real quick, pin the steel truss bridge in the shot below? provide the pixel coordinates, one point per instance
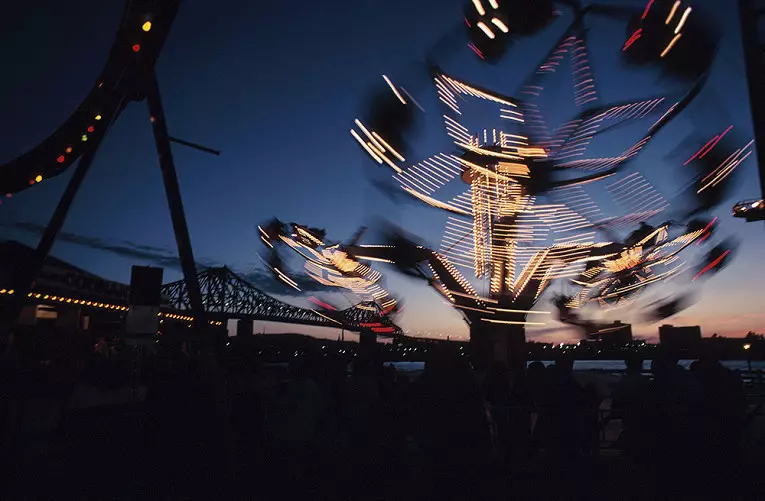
(225, 296)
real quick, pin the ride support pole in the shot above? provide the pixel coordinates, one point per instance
(26, 277)
(174, 199)
(754, 62)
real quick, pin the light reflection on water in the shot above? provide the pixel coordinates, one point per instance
(600, 365)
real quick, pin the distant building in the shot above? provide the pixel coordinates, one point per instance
(63, 295)
(684, 338)
(616, 333)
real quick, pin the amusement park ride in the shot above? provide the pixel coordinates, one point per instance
(525, 217)
(127, 76)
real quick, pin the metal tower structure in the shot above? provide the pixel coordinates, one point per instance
(750, 13)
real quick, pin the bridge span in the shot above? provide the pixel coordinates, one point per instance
(72, 292)
(226, 295)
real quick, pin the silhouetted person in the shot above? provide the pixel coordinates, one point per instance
(293, 432)
(723, 415)
(247, 414)
(678, 429)
(633, 403)
(185, 440)
(497, 391)
(452, 426)
(535, 380)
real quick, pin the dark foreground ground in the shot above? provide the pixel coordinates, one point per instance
(316, 432)
(122, 452)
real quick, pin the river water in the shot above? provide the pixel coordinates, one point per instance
(599, 365)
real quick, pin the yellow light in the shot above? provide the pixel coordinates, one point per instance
(670, 45)
(486, 30)
(672, 12)
(84, 137)
(479, 7)
(747, 346)
(682, 20)
(98, 117)
(146, 26)
(38, 178)
(394, 89)
(499, 24)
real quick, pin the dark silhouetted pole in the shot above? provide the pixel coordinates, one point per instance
(195, 146)
(26, 277)
(755, 76)
(174, 200)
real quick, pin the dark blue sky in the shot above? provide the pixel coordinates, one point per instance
(276, 87)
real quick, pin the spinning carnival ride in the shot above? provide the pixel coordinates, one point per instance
(526, 216)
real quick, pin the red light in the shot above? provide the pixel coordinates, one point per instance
(632, 39)
(382, 329)
(136, 48)
(322, 303)
(712, 264)
(709, 225)
(31, 182)
(60, 159)
(476, 50)
(708, 147)
(91, 129)
(703, 238)
(647, 8)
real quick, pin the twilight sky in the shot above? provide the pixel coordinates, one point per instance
(276, 87)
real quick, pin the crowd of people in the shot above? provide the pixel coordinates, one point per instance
(454, 433)
(317, 430)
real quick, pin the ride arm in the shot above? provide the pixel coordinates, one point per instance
(132, 57)
(442, 276)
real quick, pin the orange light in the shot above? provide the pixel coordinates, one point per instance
(91, 129)
(69, 149)
(136, 48)
(146, 26)
(61, 159)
